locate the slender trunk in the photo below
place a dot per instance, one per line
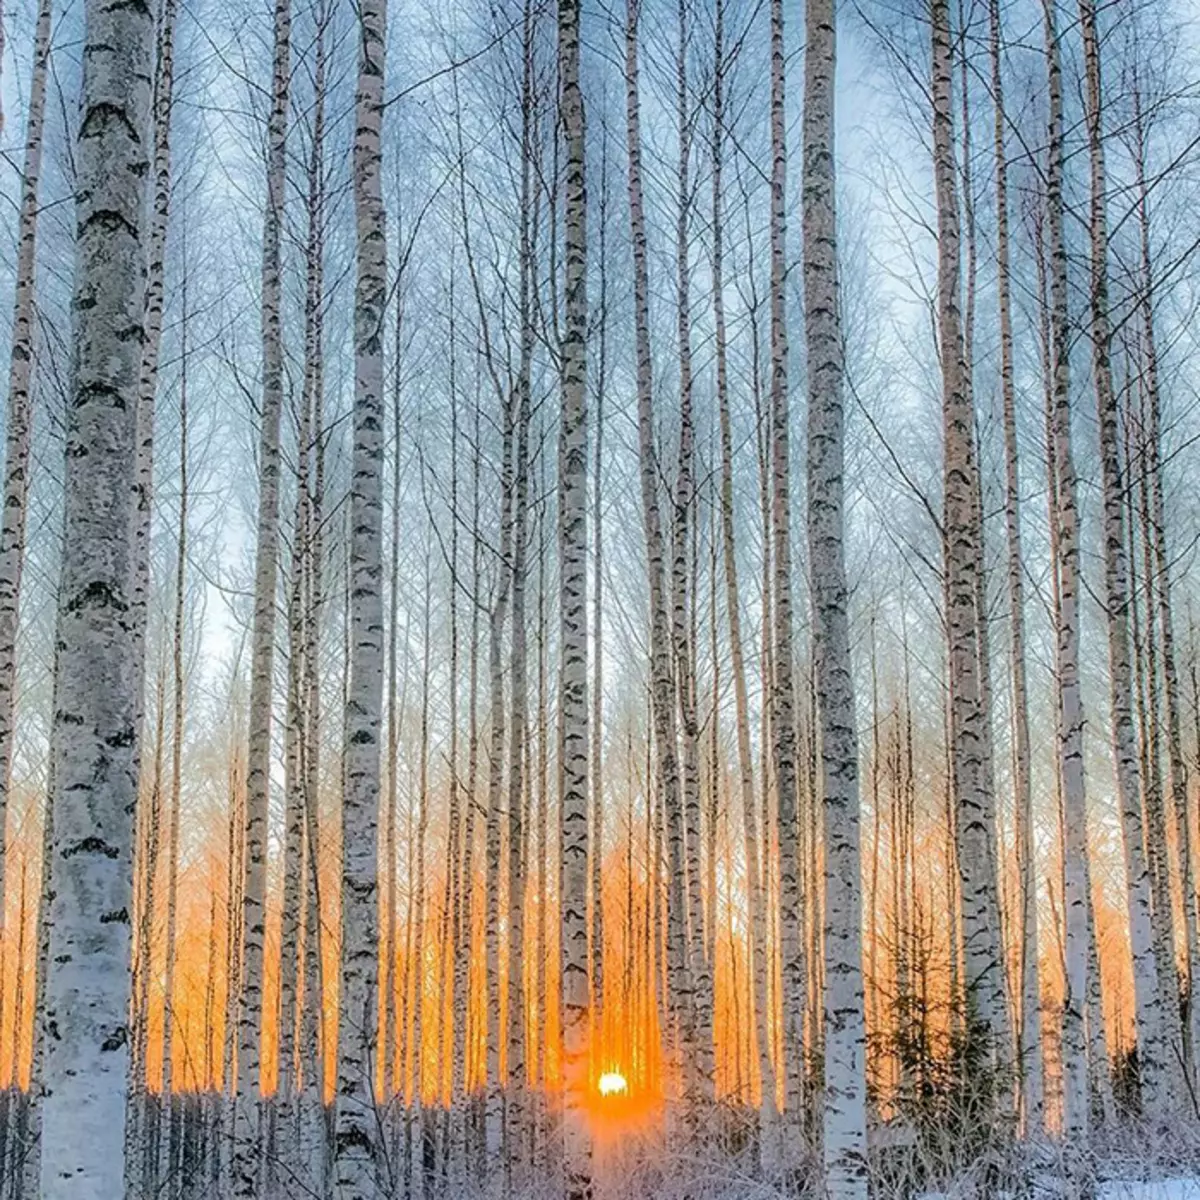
(596, 1040)
(755, 898)
(167, 1155)
(387, 988)
(356, 1152)
(986, 1013)
(516, 1064)
(312, 1130)
(573, 681)
(247, 1148)
(1145, 671)
(1065, 534)
(1157, 1016)
(683, 585)
(782, 702)
(1178, 777)
(1029, 1036)
(680, 1045)
(19, 417)
(845, 1032)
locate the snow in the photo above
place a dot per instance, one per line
(1162, 1189)
(1123, 1189)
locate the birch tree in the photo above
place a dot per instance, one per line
(679, 1003)
(845, 1032)
(755, 892)
(1158, 1023)
(782, 692)
(1065, 546)
(86, 1005)
(246, 1164)
(987, 1015)
(1029, 1027)
(18, 419)
(572, 551)
(356, 1152)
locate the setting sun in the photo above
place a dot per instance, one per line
(612, 1083)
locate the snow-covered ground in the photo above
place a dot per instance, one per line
(1163, 1189)
(1119, 1189)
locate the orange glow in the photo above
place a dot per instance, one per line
(613, 1083)
(633, 1069)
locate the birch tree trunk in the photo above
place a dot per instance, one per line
(596, 851)
(758, 1017)
(845, 1029)
(18, 419)
(167, 1159)
(782, 701)
(573, 678)
(1029, 1035)
(522, 401)
(1065, 533)
(313, 1127)
(1178, 778)
(247, 1142)
(86, 1006)
(356, 1152)
(679, 1041)
(1157, 1014)
(139, 1140)
(683, 584)
(987, 1012)
(516, 1059)
(1147, 707)
(291, 966)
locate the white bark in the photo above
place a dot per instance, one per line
(1178, 777)
(573, 681)
(1029, 1039)
(682, 641)
(987, 1011)
(248, 1137)
(845, 1140)
(86, 1007)
(1157, 1014)
(167, 1146)
(1065, 542)
(18, 418)
(516, 1058)
(356, 1153)
(782, 702)
(679, 1005)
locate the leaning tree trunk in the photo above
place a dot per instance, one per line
(845, 1030)
(247, 1143)
(356, 1152)
(1157, 1013)
(573, 679)
(86, 1006)
(16, 449)
(987, 1011)
(1065, 542)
